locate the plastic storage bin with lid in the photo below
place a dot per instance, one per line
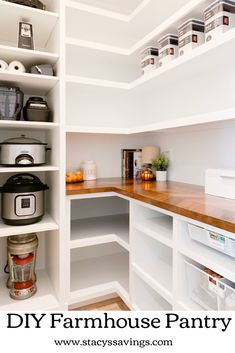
(208, 289)
(219, 18)
(191, 35)
(219, 242)
(149, 59)
(168, 48)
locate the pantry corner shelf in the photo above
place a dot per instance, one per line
(11, 14)
(96, 130)
(9, 54)
(38, 84)
(96, 46)
(97, 82)
(45, 225)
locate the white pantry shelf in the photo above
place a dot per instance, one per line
(27, 57)
(95, 46)
(99, 272)
(163, 284)
(45, 225)
(96, 130)
(100, 230)
(43, 168)
(11, 14)
(44, 299)
(159, 228)
(96, 82)
(30, 83)
(13, 124)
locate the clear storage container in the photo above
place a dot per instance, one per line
(168, 48)
(214, 240)
(149, 59)
(219, 18)
(209, 292)
(191, 35)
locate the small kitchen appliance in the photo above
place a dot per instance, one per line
(36, 109)
(21, 255)
(23, 151)
(11, 103)
(23, 199)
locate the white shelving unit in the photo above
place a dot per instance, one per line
(48, 36)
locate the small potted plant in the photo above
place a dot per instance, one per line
(161, 164)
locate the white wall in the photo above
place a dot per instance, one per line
(195, 149)
(105, 150)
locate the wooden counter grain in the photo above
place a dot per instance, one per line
(184, 199)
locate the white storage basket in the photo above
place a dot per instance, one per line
(214, 240)
(209, 292)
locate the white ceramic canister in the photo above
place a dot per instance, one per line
(168, 48)
(219, 18)
(149, 59)
(191, 35)
(89, 170)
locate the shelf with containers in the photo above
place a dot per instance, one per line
(205, 274)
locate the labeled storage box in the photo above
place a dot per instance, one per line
(211, 292)
(168, 48)
(214, 240)
(149, 59)
(191, 35)
(219, 18)
(220, 182)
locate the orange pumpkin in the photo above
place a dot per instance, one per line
(147, 175)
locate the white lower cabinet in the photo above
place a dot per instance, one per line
(144, 254)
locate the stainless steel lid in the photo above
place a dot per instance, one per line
(22, 140)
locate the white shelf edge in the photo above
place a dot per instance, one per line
(27, 124)
(156, 286)
(45, 168)
(28, 10)
(97, 46)
(45, 225)
(107, 13)
(97, 82)
(96, 11)
(184, 11)
(150, 233)
(46, 55)
(97, 130)
(181, 60)
(26, 75)
(200, 119)
(97, 240)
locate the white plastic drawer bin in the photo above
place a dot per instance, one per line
(220, 182)
(214, 240)
(207, 291)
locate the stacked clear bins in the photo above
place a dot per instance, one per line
(208, 291)
(151, 258)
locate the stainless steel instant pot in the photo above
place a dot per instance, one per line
(22, 151)
(23, 199)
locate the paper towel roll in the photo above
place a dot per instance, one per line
(3, 65)
(16, 66)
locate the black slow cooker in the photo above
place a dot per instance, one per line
(23, 199)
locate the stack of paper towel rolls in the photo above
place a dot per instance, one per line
(14, 66)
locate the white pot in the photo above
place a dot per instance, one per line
(161, 176)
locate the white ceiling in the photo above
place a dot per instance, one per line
(125, 7)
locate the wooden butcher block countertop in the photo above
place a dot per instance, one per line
(184, 199)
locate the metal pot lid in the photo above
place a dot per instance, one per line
(22, 140)
(23, 183)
